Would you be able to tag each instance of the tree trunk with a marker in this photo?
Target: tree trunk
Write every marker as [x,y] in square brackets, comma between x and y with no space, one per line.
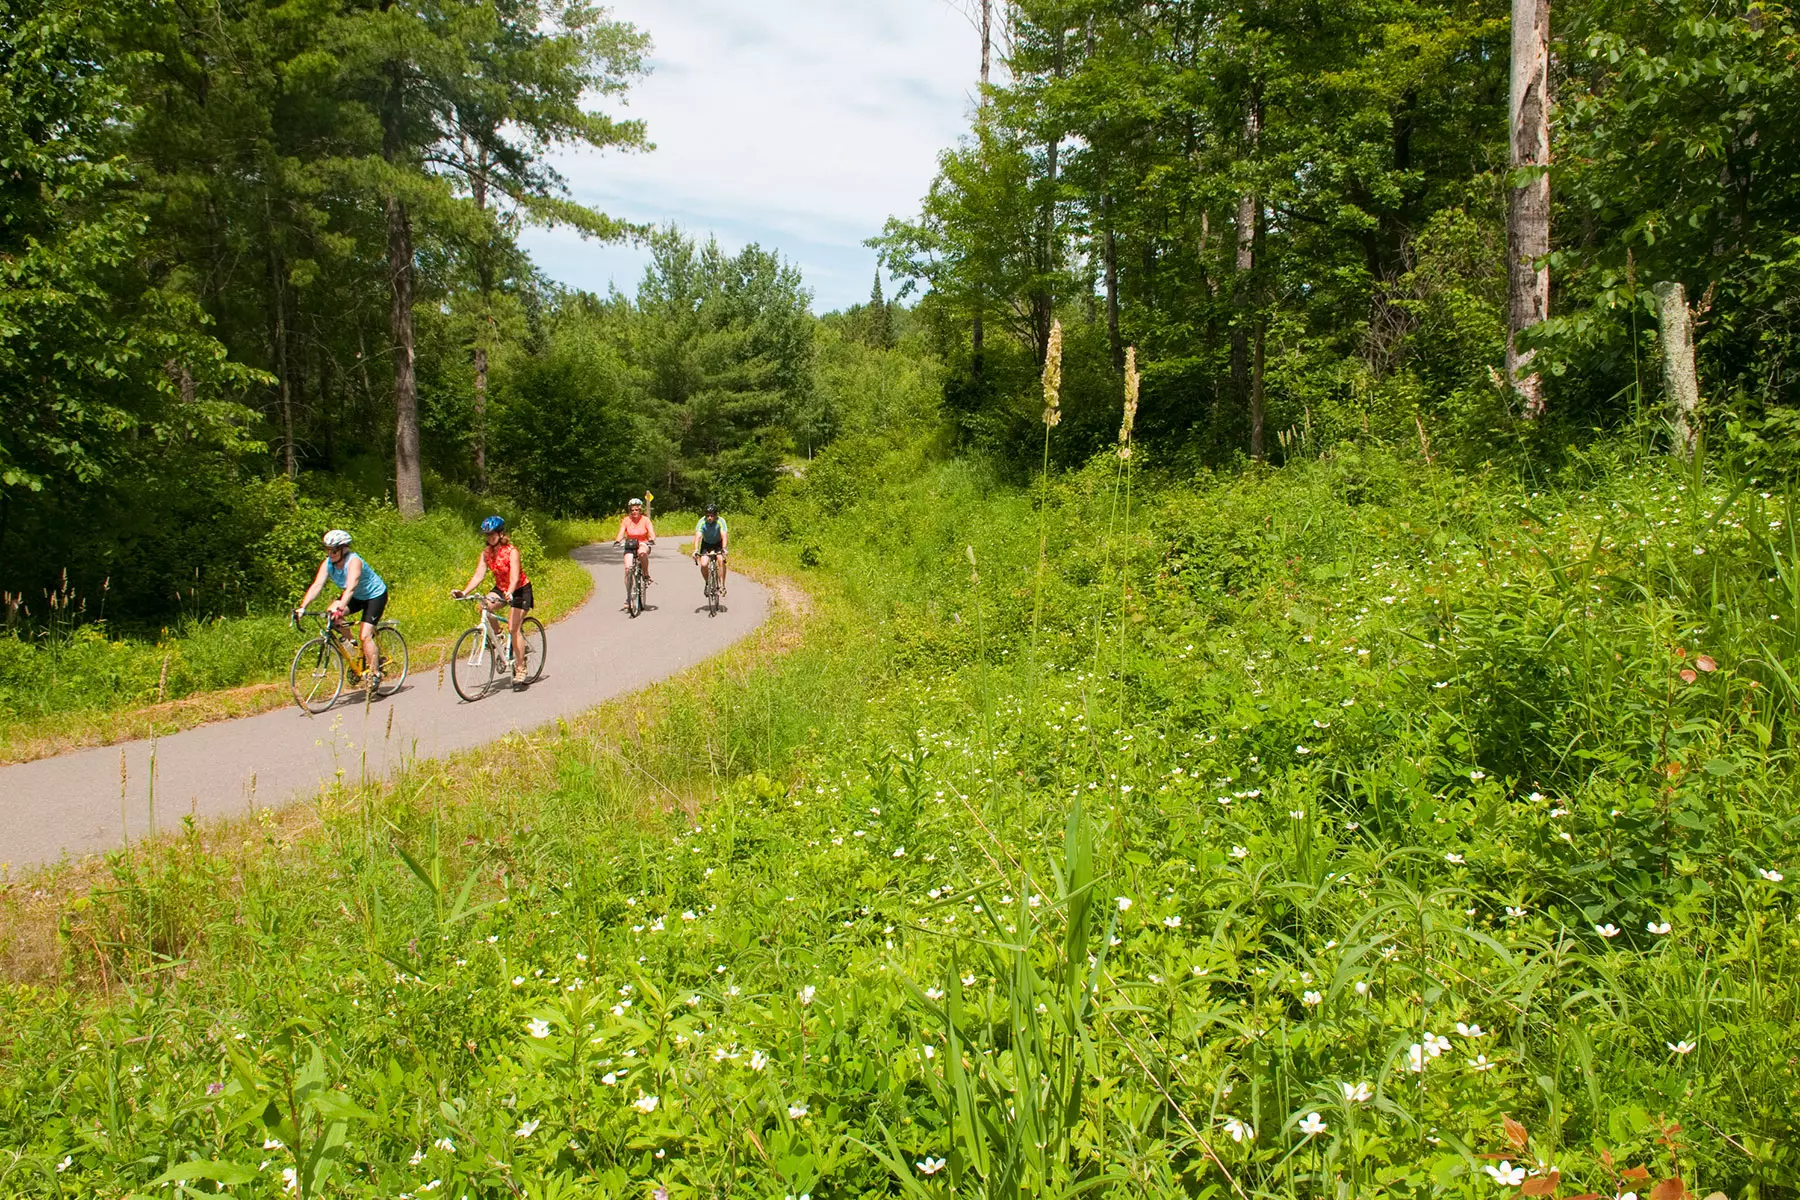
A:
[409,490]
[481,380]
[976,333]
[1681,385]
[987,44]
[1043,300]
[1241,373]
[278,342]
[1109,247]
[1528,206]
[485,280]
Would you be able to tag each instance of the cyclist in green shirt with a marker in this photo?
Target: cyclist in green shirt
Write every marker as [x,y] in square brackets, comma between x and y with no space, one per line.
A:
[711,537]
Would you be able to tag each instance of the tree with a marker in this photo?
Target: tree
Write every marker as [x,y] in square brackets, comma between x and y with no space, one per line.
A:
[469,98]
[99,369]
[1528,198]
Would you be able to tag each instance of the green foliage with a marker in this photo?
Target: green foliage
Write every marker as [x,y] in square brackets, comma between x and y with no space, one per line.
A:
[101,371]
[1344,830]
[564,437]
[726,346]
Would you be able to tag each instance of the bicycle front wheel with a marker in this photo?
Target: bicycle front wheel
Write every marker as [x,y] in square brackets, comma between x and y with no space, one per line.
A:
[317,676]
[634,595]
[535,647]
[712,589]
[391,646]
[472,666]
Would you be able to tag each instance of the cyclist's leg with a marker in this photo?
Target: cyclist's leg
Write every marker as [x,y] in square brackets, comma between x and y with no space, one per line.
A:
[630,562]
[723,557]
[644,558]
[371,656]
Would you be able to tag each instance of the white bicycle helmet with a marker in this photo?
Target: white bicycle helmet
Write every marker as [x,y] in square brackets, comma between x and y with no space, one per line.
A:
[336,538]
[635,503]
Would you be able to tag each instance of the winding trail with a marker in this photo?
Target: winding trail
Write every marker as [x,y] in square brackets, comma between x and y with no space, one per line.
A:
[75,804]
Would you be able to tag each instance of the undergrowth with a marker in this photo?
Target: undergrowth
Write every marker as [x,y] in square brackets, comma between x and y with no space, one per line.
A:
[1355,829]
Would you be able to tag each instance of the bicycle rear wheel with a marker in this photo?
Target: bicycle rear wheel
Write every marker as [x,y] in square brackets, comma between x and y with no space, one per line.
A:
[536,647]
[473,665]
[391,646]
[317,676]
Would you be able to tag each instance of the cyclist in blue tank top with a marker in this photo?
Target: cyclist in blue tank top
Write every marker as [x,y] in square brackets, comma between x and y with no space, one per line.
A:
[365,593]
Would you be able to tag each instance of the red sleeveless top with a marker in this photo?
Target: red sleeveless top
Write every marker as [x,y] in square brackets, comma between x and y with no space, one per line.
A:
[499,561]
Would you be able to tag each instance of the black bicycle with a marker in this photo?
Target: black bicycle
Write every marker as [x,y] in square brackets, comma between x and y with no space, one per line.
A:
[637,579]
[711,569]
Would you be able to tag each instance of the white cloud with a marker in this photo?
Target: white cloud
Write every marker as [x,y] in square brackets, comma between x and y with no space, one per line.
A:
[798,124]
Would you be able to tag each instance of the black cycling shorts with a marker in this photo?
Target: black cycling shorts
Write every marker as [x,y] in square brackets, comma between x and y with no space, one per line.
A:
[719,549]
[522,597]
[370,609]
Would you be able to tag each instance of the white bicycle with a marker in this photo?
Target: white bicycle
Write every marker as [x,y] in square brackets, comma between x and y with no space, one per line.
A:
[484,654]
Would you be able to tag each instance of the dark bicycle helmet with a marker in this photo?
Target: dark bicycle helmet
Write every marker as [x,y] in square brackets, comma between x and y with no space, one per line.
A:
[712,510]
[493,525]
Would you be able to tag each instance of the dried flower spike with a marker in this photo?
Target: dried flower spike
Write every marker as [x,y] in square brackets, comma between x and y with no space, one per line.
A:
[1131,401]
[1053,376]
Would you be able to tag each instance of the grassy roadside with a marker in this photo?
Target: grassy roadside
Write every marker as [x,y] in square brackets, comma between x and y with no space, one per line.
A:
[1180,880]
[261,647]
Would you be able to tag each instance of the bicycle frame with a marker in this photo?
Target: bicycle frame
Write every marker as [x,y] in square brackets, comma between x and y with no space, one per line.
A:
[496,637]
[337,635]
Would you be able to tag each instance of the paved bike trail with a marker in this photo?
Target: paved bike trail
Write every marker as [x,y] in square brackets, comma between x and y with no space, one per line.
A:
[75,804]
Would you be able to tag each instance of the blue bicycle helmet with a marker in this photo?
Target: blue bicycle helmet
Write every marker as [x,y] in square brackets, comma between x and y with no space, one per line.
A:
[493,525]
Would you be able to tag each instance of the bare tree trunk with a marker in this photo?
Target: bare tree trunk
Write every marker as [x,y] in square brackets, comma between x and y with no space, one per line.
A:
[1109,247]
[409,489]
[987,45]
[1248,207]
[977,336]
[1528,206]
[278,341]
[485,280]
[1681,384]
[1043,300]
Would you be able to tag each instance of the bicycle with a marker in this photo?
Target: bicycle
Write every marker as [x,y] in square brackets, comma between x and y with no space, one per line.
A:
[324,661]
[484,654]
[711,569]
[634,585]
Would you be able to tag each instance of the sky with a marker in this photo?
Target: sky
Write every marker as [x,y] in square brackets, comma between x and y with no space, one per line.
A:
[800,125]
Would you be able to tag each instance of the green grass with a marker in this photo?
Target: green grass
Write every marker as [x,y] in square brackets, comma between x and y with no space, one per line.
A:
[1305,776]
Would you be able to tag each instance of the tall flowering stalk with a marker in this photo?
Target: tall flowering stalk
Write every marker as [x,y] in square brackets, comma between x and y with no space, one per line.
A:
[1131,403]
[1052,416]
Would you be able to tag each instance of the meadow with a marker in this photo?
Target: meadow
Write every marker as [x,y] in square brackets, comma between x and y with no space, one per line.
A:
[1362,828]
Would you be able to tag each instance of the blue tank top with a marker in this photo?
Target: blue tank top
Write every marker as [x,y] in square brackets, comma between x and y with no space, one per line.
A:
[368,585]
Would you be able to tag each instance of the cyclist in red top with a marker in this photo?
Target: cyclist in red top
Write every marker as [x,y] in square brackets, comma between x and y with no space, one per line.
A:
[501,558]
[636,532]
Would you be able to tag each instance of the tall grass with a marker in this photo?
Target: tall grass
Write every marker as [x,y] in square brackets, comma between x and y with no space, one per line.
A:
[1446,852]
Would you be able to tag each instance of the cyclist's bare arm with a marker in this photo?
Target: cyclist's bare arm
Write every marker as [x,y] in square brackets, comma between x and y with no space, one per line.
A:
[474,580]
[312,593]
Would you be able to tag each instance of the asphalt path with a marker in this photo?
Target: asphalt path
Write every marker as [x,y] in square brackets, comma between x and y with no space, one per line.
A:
[77,804]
